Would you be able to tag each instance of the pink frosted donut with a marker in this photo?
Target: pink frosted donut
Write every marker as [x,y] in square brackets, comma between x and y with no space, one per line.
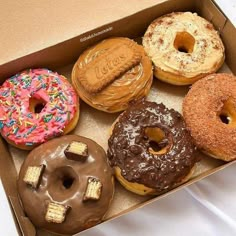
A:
[35,106]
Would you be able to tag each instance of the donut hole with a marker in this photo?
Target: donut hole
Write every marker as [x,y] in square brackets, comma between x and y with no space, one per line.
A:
[158,143]
[227,114]
[183,49]
[67,181]
[225,119]
[39,107]
[63,181]
[184,42]
[36,105]
[154,146]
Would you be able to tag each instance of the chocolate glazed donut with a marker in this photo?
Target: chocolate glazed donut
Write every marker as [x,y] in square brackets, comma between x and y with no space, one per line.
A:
[66,185]
[150,148]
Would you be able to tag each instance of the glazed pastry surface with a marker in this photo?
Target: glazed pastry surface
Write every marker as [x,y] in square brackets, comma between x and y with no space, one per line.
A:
[64,181]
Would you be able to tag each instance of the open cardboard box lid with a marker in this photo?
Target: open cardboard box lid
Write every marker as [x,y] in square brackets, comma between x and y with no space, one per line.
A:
[28,27]
[40,34]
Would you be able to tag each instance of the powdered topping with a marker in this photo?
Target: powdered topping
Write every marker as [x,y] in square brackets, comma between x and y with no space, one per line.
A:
[19,123]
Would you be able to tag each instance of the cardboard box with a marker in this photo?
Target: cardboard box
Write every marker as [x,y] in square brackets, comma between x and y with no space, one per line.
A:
[59,53]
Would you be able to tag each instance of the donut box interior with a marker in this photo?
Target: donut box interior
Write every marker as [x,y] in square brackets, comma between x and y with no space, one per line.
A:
[61,56]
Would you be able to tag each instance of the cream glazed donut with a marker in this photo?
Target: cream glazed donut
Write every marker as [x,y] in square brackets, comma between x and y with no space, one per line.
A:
[184,47]
[35,106]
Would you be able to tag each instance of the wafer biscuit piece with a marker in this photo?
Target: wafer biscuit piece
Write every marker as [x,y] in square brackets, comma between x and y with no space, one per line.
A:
[56,213]
[33,175]
[94,189]
[76,151]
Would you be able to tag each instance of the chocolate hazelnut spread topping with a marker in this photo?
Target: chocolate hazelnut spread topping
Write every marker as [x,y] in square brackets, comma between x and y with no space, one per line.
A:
[142,159]
[58,205]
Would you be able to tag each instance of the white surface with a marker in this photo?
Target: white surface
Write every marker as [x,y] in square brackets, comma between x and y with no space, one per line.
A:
[229,7]
[7,225]
[206,208]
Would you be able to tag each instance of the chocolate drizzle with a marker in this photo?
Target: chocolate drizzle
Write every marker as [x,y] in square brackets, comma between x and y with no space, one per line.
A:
[129,146]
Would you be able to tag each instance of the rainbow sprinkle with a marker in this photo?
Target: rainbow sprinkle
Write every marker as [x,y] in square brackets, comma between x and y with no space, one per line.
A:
[22,126]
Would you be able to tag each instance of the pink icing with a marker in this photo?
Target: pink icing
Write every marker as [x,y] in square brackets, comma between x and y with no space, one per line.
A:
[18,123]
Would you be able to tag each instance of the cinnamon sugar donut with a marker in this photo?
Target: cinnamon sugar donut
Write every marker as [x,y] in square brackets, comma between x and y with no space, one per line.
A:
[209,110]
[150,149]
[110,74]
[184,47]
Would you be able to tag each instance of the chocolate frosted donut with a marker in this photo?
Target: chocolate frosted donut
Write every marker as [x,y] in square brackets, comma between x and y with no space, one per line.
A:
[66,185]
[209,110]
[150,148]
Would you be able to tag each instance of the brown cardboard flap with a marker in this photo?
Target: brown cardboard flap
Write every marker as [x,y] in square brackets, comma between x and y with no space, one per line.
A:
[133,27]
[209,11]
[229,36]
[34,25]
[226,29]
[7,170]
[24,224]
[8,175]
[68,51]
